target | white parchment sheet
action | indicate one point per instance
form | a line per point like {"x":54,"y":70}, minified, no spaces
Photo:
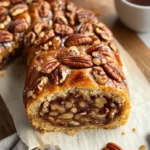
{"x":11,"y":89}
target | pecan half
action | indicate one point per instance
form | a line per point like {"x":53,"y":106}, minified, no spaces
{"x":102,"y":57}
{"x":46,"y":64}
{"x":98,"y":47}
{"x":63,"y":29}
{"x":78,"y":61}
{"x":17,"y":1}
{"x":5,"y":3}
{"x":5,"y":36}
{"x":30,"y":38}
{"x":71,"y":6}
{"x":99,"y":75}
{"x":44,"y":9}
{"x":114,"y":71}
{"x":44,"y":37}
{"x":86,"y":16}
{"x":103,"y":34}
{"x":59,"y":75}
{"x":86,"y":28}
{"x":38,"y":85}
{"x":71,"y":17}
{"x":113,"y":146}
{"x":71,"y":51}
{"x":18,"y":9}
{"x":3,"y":14}
{"x":59,"y":17}
{"x":18,"y":25}
{"x":78,"y":39}
{"x":39,"y":26}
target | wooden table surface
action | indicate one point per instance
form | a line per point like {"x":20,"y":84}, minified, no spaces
{"x":105,"y":11}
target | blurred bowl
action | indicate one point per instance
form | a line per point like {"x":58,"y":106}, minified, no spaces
{"x":134,"y":16}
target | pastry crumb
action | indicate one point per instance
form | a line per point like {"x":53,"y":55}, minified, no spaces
{"x":71,"y":133}
{"x":142,"y":147}
{"x":123,"y":133}
{"x":2,"y":74}
{"x":133,"y":129}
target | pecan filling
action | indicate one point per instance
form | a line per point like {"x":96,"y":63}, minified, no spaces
{"x":80,"y":110}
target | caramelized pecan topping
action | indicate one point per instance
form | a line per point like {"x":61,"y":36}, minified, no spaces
{"x":71,"y":18}
{"x":59,"y":75}
{"x":78,"y":61}
{"x":5,"y":36}
{"x":99,"y":75}
{"x":98,"y":47}
{"x":59,"y":17}
{"x":44,"y":9}
{"x":86,"y":16}
{"x":39,"y":26}
{"x":3,"y":14}
{"x":114,"y":71}
{"x":63,"y":29}
{"x":18,"y":9}
{"x":46,"y":64}
{"x":44,"y":36}
{"x":71,"y":6}
{"x":17,"y":1}
{"x":86,"y":28}
{"x":78,"y":39}
{"x":18,"y":25}
{"x":5,"y":3}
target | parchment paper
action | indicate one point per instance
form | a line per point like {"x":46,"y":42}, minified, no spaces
{"x":11,"y":89}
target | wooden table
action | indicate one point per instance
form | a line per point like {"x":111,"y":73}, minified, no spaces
{"x":128,"y":39}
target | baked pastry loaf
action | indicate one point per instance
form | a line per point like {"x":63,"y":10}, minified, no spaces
{"x":74,"y":73}
{"x":14,"y":21}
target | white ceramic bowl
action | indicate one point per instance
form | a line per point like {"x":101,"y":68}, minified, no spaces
{"x":134,"y":16}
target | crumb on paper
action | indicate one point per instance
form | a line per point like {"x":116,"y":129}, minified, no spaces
{"x":133,"y":129}
{"x":123,"y":133}
{"x":71,"y":133}
{"x":142,"y":147}
{"x":2,"y":74}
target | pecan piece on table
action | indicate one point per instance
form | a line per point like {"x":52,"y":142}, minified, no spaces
{"x":44,"y":9}
{"x":3,"y":14}
{"x":86,"y":16}
{"x":5,"y":36}
{"x":78,"y":61}
{"x":44,"y":36}
{"x":112,"y":146}
{"x":63,"y":29}
{"x":18,"y":25}
{"x":114,"y":71}
{"x":46,"y":64}
{"x":99,"y":75}
{"x":59,"y":75}
{"x":18,"y":9}
{"x":78,"y":39}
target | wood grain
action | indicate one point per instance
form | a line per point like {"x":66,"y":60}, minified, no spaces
{"x":105,"y":11}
